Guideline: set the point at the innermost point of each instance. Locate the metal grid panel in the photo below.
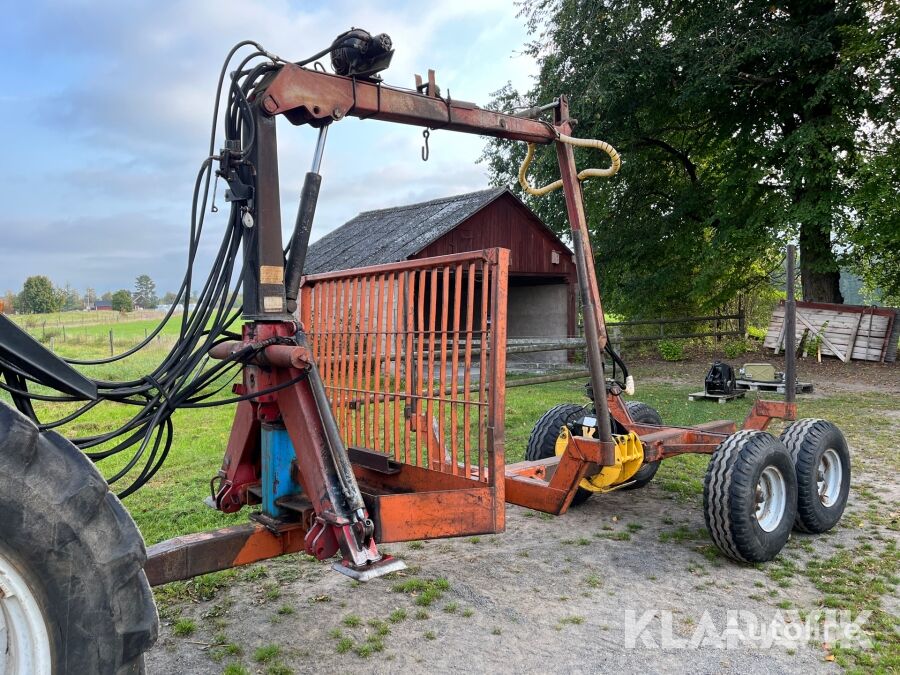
(413, 357)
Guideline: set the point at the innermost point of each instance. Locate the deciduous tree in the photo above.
(38, 296)
(741, 126)
(121, 301)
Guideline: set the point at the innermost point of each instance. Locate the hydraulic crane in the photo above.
(288, 451)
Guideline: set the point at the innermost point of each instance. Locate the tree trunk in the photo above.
(820, 275)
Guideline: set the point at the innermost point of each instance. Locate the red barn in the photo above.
(542, 278)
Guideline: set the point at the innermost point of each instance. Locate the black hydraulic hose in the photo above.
(184, 379)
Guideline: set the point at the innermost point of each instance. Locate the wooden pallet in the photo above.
(845, 331)
(721, 398)
(777, 387)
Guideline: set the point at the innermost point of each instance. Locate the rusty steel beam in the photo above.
(203, 552)
(311, 97)
(279, 356)
(763, 412)
(594, 326)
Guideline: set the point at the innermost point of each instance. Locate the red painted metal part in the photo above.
(294, 405)
(310, 97)
(763, 412)
(388, 339)
(427, 494)
(204, 552)
(549, 484)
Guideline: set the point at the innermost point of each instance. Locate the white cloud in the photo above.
(117, 128)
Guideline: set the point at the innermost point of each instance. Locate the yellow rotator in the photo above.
(629, 457)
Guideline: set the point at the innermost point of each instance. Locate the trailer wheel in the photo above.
(542, 441)
(822, 462)
(750, 496)
(74, 595)
(643, 414)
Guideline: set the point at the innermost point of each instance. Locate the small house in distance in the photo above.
(542, 277)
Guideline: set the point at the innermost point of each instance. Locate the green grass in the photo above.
(171, 503)
(352, 621)
(266, 653)
(426, 592)
(856, 580)
(397, 615)
(184, 627)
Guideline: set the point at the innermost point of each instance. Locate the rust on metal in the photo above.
(309, 97)
(203, 552)
(396, 354)
(279, 356)
(763, 412)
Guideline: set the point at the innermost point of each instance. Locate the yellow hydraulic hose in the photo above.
(611, 170)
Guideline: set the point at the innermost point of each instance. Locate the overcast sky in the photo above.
(107, 106)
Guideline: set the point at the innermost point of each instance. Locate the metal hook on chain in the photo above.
(425, 151)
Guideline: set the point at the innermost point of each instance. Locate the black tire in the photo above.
(82, 551)
(644, 414)
(730, 493)
(808, 441)
(542, 441)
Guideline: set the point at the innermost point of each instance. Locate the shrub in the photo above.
(757, 332)
(734, 348)
(671, 351)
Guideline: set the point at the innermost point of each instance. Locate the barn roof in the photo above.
(391, 235)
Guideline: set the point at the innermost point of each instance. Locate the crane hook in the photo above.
(425, 151)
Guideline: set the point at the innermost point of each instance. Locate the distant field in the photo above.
(87, 334)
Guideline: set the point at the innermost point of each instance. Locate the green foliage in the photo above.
(266, 653)
(757, 332)
(145, 292)
(813, 340)
(735, 348)
(122, 302)
(38, 296)
(875, 230)
(740, 126)
(71, 300)
(184, 627)
(670, 350)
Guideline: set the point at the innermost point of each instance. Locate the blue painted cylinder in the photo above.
(277, 457)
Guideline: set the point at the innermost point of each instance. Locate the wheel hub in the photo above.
(771, 498)
(24, 638)
(829, 476)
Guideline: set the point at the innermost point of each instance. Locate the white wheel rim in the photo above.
(24, 638)
(829, 475)
(771, 498)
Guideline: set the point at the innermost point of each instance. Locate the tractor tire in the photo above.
(822, 463)
(643, 414)
(73, 557)
(750, 496)
(542, 441)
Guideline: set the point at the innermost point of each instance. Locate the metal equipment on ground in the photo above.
(351, 425)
